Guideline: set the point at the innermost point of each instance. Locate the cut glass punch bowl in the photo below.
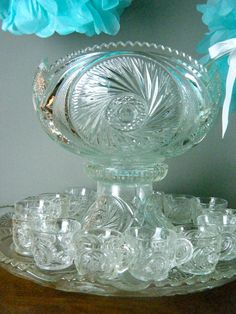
(127, 105)
(126, 108)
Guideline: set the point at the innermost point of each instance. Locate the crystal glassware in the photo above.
(159, 250)
(123, 285)
(209, 204)
(52, 243)
(27, 207)
(154, 211)
(206, 242)
(54, 205)
(102, 253)
(227, 227)
(51, 205)
(21, 236)
(24, 211)
(180, 208)
(231, 211)
(126, 108)
(80, 199)
(35, 208)
(212, 203)
(109, 212)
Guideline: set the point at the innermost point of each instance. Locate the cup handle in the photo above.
(183, 251)
(227, 245)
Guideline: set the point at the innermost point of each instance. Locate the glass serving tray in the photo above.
(68, 280)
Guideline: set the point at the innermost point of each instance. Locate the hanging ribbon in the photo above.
(216, 51)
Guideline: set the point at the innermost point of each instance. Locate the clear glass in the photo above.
(102, 253)
(21, 236)
(208, 205)
(213, 203)
(51, 205)
(27, 207)
(52, 245)
(227, 227)
(126, 108)
(154, 215)
(158, 251)
(55, 205)
(80, 199)
(231, 211)
(124, 284)
(180, 208)
(35, 208)
(206, 242)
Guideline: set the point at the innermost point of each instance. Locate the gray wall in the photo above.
(30, 163)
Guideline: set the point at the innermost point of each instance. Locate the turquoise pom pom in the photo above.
(44, 18)
(220, 17)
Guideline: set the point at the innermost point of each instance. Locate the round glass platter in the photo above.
(68, 280)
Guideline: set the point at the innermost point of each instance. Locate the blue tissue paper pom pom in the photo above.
(220, 17)
(45, 17)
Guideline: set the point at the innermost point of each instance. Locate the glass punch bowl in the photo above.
(127, 105)
(126, 108)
